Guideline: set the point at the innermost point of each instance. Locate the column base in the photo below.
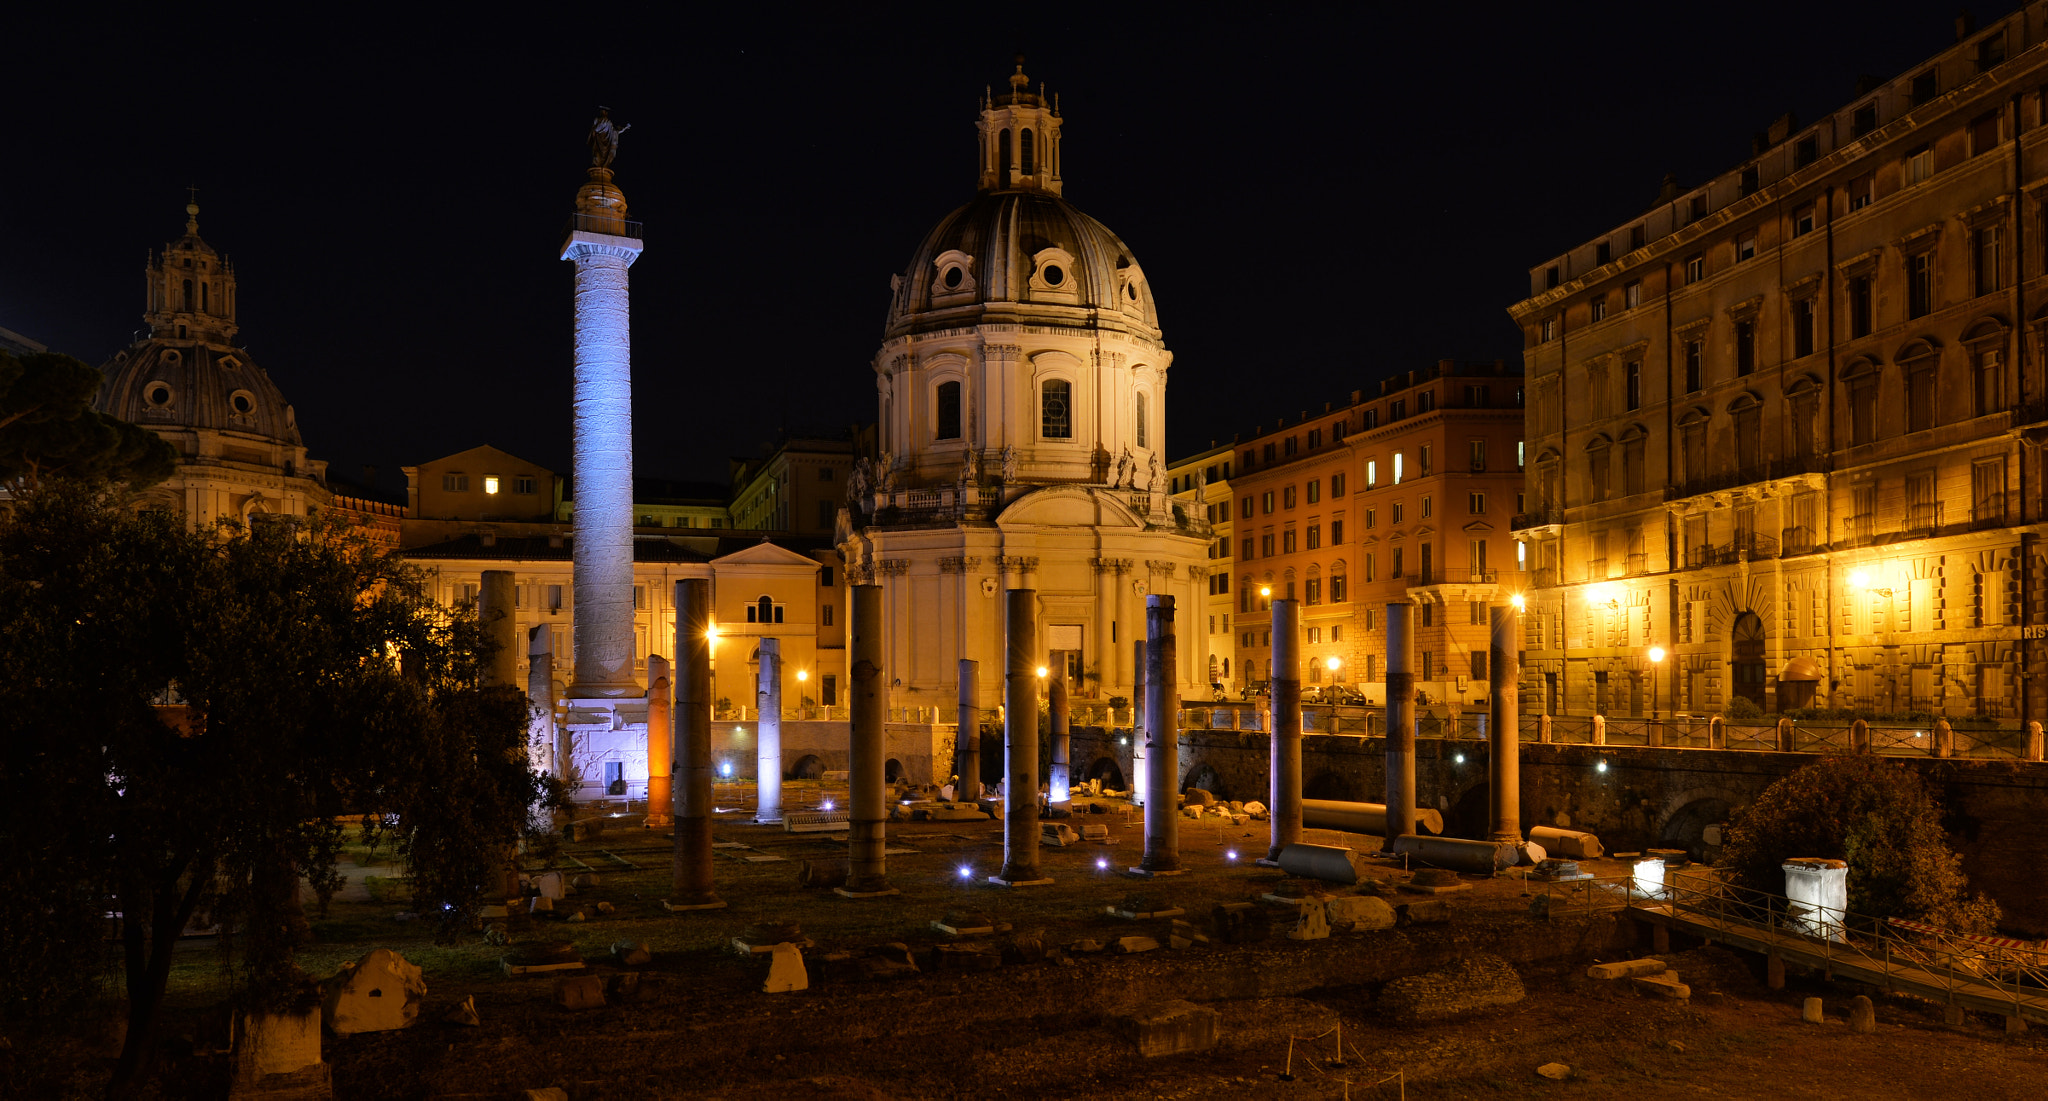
(999, 881)
(1153, 872)
(882, 890)
(707, 902)
(1266, 862)
(772, 820)
(661, 823)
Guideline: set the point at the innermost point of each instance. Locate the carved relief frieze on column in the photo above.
(1198, 573)
(893, 567)
(960, 564)
(1161, 566)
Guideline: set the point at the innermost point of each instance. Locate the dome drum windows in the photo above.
(1056, 409)
(946, 410)
(1053, 276)
(952, 278)
(242, 404)
(158, 396)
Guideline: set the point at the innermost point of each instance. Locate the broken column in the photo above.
(867, 839)
(768, 735)
(660, 744)
(1060, 782)
(1020, 741)
(501, 627)
(967, 751)
(1162, 740)
(1504, 756)
(690, 887)
(1284, 808)
(1138, 777)
(540, 695)
(1400, 723)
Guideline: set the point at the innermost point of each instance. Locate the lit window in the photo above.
(1397, 468)
(490, 483)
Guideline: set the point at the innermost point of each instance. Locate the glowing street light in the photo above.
(1335, 664)
(1042, 671)
(1516, 600)
(1656, 662)
(803, 675)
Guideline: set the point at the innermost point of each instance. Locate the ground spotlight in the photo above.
(1231, 855)
(1600, 765)
(966, 871)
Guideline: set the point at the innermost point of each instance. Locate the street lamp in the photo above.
(1656, 662)
(1516, 600)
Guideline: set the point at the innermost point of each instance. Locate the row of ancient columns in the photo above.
(1503, 670)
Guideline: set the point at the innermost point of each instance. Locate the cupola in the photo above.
(1020, 139)
(190, 289)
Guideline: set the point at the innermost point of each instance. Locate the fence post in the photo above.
(1543, 732)
(1859, 736)
(1656, 728)
(1944, 739)
(1785, 735)
(1599, 730)
(1717, 734)
(2033, 741)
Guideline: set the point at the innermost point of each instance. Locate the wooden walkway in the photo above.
(1948, 985)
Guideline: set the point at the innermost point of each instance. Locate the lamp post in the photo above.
(802, 701)
(1656, 663)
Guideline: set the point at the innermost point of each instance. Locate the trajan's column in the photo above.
(603, 244)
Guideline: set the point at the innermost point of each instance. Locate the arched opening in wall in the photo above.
(1003, 160)
(807, 767)
(1144, 419)
(1204, 776)
(1468, 817)
(1746, 657)
(892, 770)
(1055, 410)
(1108, 771)
(1687, 829)
(948, 411)
(1330, 784)
(1029, 154)
(188, 296)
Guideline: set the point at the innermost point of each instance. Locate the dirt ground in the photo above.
(1054, 1028)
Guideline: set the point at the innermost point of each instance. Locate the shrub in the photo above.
(1742, 709)
(1877, 815)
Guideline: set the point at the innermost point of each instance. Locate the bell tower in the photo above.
(1020, 139)
(190, 289)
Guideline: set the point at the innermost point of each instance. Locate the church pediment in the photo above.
(765, 554)
(1478, 525)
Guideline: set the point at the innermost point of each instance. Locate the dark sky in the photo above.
(1319, 199)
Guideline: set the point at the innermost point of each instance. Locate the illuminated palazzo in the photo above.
(1786, 424)
(1021, 389)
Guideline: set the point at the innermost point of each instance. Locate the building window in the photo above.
(1396, 564)
(1632, 295)
(1336, 597)
(1266, 502)
(1144, 419)
(1315, 537)
(1987, 491)
(1055, 418)
(1600, 308)
(1287, 497)
(1802, 220)
(1745, 247)
(1312, 593)
(1745, 347)
(1477, 455)
(1337, 484)
(1859, 306)
(1923, 87)
(554, 598)
(1864, 120)
(455, 483)
(1984, 133)
(1632, 384)
(1920, 284)
(1422, 466)
(1315, 490)
(1987, 380)
(1266, 545)
(1603, 253)
(1551, 276)
(1637, 237)
(524, 483)
(1694, 366)
(1475, 503)
(1548, 330)
(1988, 245)
(1372, 517)
(1248, 545)
(824, 615)
(948, 414)
(1372, 474)
(1863, 407)
(1696, 207)
(1919, 165)
(1398, 508)
(1336, 533)
(1805, 152)
(1428, 506)
(1802, 327)
(1287, 541)
(1920, 396)
(1245, 509)
(1695, 267)
(1859, 191)
(1397, 467)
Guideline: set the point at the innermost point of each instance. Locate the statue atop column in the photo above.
(604, 138)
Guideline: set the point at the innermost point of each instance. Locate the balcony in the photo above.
(601, 223)
(1922, 518)
(1484, 577)
(1799, 540)
(1749, 475)
(1635, 565)
(1539, 518)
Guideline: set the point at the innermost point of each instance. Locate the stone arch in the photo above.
(1204, 775)
(1107, 770)
(1686, 814)
(892, 770)
(1333, 784)
(807, 767)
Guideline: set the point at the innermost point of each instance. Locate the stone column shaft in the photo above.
(602, 465)
(660, 744)
(692, 887)
(1061, 780)
(1020, 737)
(1162, 740)
(967, 751)
(1503, 698)
(768, 735)
(867, 870)
(494, 600)
(540, 695)
(1284, 805)
(1400, 722)
(1140, 779)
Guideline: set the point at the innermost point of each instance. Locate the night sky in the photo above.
(1319, 200)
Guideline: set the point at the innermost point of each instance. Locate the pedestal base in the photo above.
(1266, 862)
(850, 892)
(999, 881)
(1152, 872)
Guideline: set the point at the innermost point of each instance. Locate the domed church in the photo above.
(1021, 391)
(240, 453)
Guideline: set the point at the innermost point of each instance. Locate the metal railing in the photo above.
(602, 223)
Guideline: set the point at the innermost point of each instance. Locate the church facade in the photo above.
(1021, 398)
